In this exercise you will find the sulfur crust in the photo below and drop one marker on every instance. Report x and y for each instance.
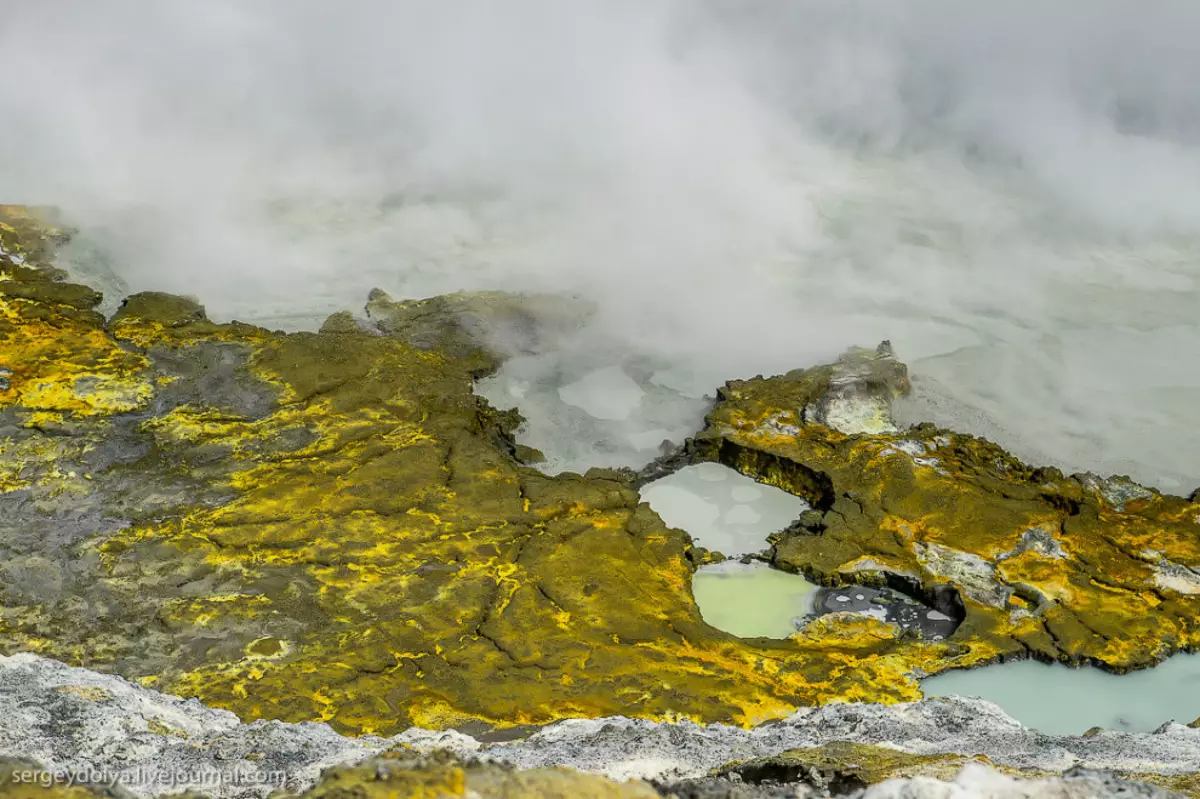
(363, 549)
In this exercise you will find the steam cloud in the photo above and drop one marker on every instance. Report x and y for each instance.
(1009, 191)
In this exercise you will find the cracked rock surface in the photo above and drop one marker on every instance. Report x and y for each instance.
(332, 527)
(1036, 563)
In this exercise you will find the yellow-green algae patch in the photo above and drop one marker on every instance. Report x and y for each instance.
(209, 489)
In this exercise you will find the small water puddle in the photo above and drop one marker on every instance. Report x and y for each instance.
(1063, 701)
(752, 600)
(721, 509)
(727, 512)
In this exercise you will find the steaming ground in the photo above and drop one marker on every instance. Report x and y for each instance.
(1010, 194)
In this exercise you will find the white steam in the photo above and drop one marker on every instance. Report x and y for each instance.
(1010, 189)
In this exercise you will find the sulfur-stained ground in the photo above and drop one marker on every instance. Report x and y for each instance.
(333, 526)
(1060, 568)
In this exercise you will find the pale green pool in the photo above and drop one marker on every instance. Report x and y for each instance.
(751, 600)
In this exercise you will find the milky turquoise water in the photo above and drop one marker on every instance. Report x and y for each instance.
(1064, 701)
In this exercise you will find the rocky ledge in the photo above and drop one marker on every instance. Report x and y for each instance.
(333, 527)
(1035, 563)
(82, 725)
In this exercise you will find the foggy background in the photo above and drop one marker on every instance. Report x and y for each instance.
(1009, 192)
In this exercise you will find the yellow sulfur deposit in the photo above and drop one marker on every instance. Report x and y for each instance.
(332, 526)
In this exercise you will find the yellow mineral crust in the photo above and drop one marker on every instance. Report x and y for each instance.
(56, 359)
(63, 363)
(368, 552)
(332, 526)
(1068, 568)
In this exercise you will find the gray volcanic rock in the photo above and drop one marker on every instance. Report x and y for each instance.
(110, 729)
(978, 782)
(87, 723)
(974, 781)
(956, 725)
